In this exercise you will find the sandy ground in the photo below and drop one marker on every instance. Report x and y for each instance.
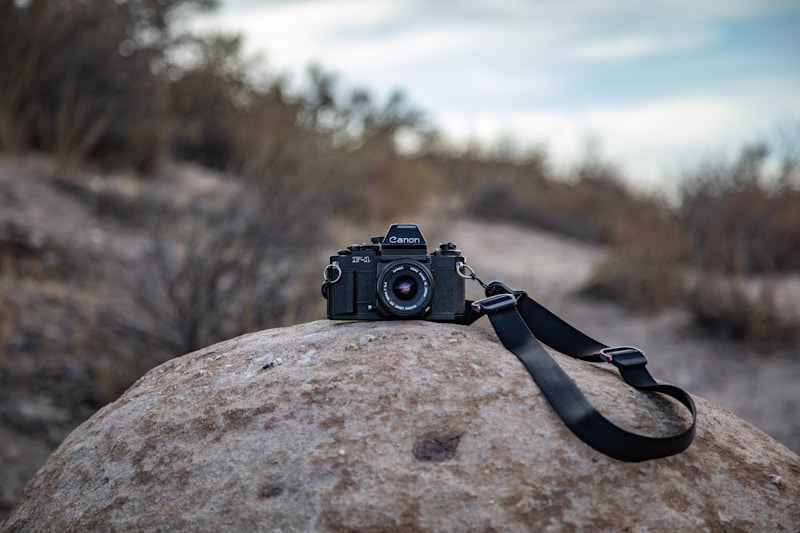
(757, 383)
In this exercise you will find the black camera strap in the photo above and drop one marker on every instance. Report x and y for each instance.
(521, 323)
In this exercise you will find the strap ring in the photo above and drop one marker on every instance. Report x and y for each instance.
(333, 266)
(465, 271)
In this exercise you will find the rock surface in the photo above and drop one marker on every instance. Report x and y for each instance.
(384, 426)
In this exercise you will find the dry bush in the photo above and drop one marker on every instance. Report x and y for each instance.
(357, 144)
(348, 160)
(78, 76)
(734, 222)
(230, 265)
(733, 307)
(117, 83)
(739, 221)
(642, 279)
(742, 222)
(589, 204)
(644, 267)
(732, 219)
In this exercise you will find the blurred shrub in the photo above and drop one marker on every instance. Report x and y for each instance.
(646, 279)
(739, 220)
(727, 306)
(733, 222)
(742, 222)
(117, 83)
(736, 219)
(213, 108)
(229, 266)
(79, 76)
(591, 203)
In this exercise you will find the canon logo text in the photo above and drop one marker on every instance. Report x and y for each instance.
(404, 240)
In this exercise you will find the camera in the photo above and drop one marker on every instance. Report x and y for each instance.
(395, 278)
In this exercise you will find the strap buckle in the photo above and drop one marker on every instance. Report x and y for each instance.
(493, 304)
(498, 287)
(623, 356)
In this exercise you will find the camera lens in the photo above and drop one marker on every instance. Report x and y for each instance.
(405, 288)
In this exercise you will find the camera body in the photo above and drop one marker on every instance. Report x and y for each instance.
(395, 278)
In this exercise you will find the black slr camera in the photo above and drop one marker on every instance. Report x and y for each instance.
(395, 278)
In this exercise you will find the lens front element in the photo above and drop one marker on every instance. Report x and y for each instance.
(405, 288)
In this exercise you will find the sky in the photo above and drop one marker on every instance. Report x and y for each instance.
(651, 86)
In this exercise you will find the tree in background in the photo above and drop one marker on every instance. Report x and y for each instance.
(81, 77)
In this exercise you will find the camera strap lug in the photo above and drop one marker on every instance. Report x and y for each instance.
(333, 267)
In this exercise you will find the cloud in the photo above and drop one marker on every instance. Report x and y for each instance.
(637, 46)
(645, 139)
(295, 34)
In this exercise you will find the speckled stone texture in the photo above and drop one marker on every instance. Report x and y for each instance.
(393, 426)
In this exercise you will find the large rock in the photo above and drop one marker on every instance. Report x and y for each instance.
(383, 426)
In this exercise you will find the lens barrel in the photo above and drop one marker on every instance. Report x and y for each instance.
(405, 288)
